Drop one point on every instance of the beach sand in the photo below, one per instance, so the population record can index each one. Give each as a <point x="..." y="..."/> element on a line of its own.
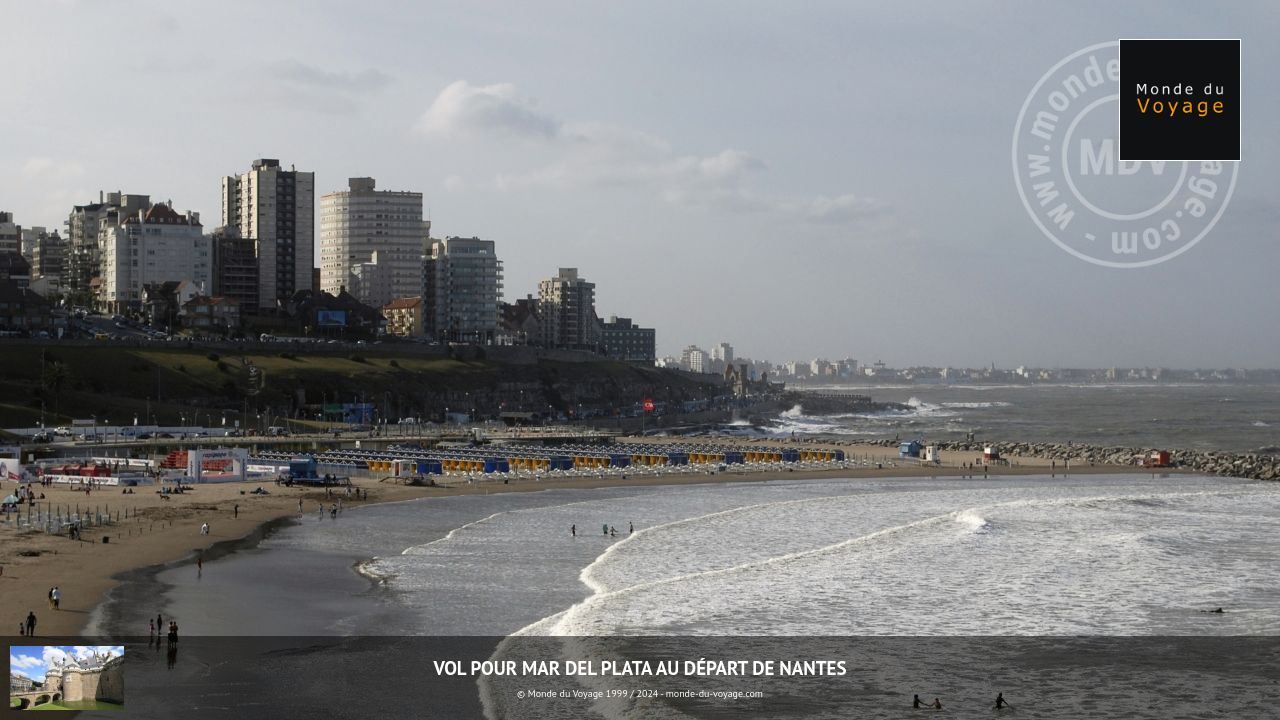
<point x="158" y="531"/>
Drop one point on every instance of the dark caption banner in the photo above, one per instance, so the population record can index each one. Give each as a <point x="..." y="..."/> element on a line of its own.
<point x="694" y="677"/>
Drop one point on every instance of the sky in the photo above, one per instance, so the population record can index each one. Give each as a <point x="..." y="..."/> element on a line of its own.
<point x="33" y="661"/>
<point x="819" y="179"/>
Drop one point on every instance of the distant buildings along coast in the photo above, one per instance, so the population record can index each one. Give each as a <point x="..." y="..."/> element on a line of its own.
<point x="380" y="273"/>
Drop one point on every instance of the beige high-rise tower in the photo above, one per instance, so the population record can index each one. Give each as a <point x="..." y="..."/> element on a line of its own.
<point x="371" y="242"/>
<point x="276" y="209"/>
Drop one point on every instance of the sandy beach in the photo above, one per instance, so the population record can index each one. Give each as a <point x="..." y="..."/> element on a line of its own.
<point x="156" y="531"/>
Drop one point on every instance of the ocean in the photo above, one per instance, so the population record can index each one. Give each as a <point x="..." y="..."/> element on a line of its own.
<point x="1024" y="555"/>
<point x="1227" y="417"/>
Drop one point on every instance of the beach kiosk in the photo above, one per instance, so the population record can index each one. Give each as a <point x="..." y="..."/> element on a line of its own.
<point x="990" y="454"/>
<point x="1159" y="458"/>
<point x="931" y="454"/>
<point x="909" y="449"/>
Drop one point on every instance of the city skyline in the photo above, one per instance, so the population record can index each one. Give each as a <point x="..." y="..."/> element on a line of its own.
<point x="806" y="168"/>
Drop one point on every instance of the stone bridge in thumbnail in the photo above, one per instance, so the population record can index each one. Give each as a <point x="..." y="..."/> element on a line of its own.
<point x="32" y="698"/>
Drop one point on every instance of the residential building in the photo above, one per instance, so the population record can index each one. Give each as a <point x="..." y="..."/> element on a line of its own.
<point x="364" y="226"/>
<point x="10" y="233"/>
<point x="621" y="339"/>
<point x="45" y="251"/>
<point x="462" y="289"/>
<point x="275" y="208"/>
<point x="15" y="269"/>
<point x="211" y="314"/>
<point x="151" y="247"/>
<point x="722" y="353"/>
<point x="567" y="304"/>
<point x="235" y="269"/>
<point x="339" y="315"/>
<point x="20" y="683"/>
<point x="694" y="359"/>
<point x="519" y="323"/>
<point x="21" y="308"/>
<point x="85" y="227"/>
<point x="405" y="317"/>
<point x="161" y="303"/>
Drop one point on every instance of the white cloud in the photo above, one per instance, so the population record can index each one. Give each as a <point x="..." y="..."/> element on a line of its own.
<point x="590" y="155"/>
<point x="463" y="108"/>
<point x="24" y="661"/>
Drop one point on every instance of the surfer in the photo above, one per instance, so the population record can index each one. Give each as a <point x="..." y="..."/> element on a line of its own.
<point x="1000" y="703"/>
<point x="916" y="702"/>
<point x="937" y="704"/>
<point x="1215" y="611"/>
<point x="573" y="529"/>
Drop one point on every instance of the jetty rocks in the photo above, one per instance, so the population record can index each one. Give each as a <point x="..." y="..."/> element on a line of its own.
<point x="1256" y="466"/>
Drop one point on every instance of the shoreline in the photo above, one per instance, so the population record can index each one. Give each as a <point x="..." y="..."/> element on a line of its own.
<point x="89" y="571"/>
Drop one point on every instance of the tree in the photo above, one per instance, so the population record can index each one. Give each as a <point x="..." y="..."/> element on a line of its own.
<point x="54" y="377"/>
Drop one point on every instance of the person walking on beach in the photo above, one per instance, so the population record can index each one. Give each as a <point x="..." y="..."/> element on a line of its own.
<point x="50" y="598"/>
<point x="236" y="511"/>
<point x="56" y="594"/>
<point x="151" y="629"/>
<point x="204" y="529"/>
<point x="299" y="506"/>
<point x="31" y="624"/>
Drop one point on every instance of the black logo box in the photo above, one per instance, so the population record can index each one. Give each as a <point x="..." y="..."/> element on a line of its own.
<point x="1180" y="65"/>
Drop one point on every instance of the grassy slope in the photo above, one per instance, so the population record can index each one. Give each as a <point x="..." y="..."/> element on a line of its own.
<point x="117" y="383"/>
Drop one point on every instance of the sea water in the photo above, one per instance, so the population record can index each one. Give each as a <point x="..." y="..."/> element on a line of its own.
<point x="1026" y="555"/>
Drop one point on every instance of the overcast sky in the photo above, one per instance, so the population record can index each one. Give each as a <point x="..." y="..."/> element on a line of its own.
<point x="799" y="179"/>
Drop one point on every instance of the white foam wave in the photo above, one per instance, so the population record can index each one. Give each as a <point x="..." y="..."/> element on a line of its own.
<point x="974" y="521"/>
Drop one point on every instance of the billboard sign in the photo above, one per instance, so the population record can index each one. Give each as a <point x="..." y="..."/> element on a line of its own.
<point x="331" y="318"/>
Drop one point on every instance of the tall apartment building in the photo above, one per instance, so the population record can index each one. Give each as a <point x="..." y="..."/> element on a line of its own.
<point x="568" y="307"/>
<point x="10" y="233"/>
<point x="371" y="242"/>
<point x="154" y="246"/>
<point x="722" y="352"/>
<point x="85" y="227"/>
<point x="235" y="267"/>
<point x="45" y="251"/>
<point x="275" y="208"/>
<point x="462" y="289"/>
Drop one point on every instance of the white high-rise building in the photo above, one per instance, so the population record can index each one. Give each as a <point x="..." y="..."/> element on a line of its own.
<point x="363" y="226"/>
<point x="722" y="352"/>
<point x="276" y="209"/>
<point x="154" y="246"/>
<point x="463" y="290"/>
